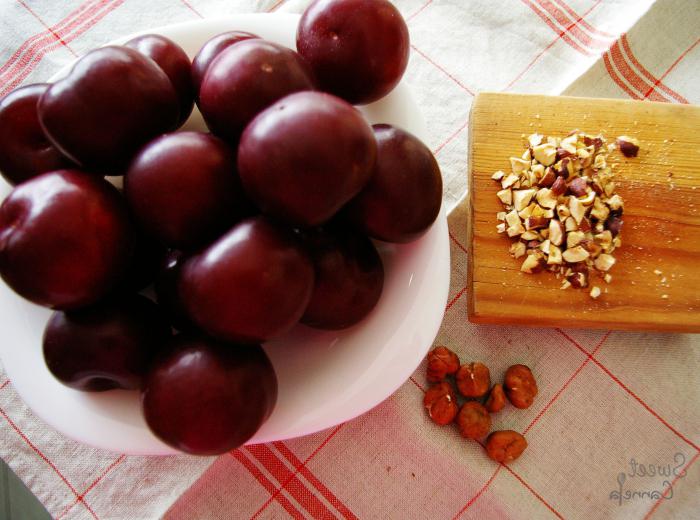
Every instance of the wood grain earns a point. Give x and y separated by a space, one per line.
661 232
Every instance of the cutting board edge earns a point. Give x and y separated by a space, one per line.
578 99
582 324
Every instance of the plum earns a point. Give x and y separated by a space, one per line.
65 239
305 156
105 346
249 286
358 49
211 49
244 79
206 397
25 151
404 194
110 104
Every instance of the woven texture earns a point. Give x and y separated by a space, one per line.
608 402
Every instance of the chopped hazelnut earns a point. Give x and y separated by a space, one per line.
518 165
555 255
575 254
506 196
595 292
532 264
509 181
545 153
604 262
498 175
559 186
517 249
546 198
629 146
556 234
577 209
535 139
521 198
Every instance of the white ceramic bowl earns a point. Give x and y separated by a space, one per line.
325 378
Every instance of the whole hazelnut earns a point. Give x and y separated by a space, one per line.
496 400
473 379
441 402
473 420
521 387
505 446
441 362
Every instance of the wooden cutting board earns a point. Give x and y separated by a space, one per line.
661 232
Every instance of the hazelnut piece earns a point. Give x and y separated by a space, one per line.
629 146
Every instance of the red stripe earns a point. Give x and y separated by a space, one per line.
673 65
592 42
264 482
534 493
478 494
564 36
585 24
30 41
566 385
277 5
418 385
42 22
189 6
295 487
673 483
555 40
313 454
81 497
44 458
85 27
457 243
655 83
419 11
616 78
308 475
12 67
443 70
629 74
450 138
629 391
7 382
456 297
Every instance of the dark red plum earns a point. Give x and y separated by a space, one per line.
305 156
358 49
211 49
249 286
172 60
207 397
65 239
244 79
349 277
183 188
109 345
25 151
112 102
403 197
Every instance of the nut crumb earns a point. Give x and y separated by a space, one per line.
664 296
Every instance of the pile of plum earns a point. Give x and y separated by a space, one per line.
243 232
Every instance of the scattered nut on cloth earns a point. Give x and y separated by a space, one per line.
614 431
